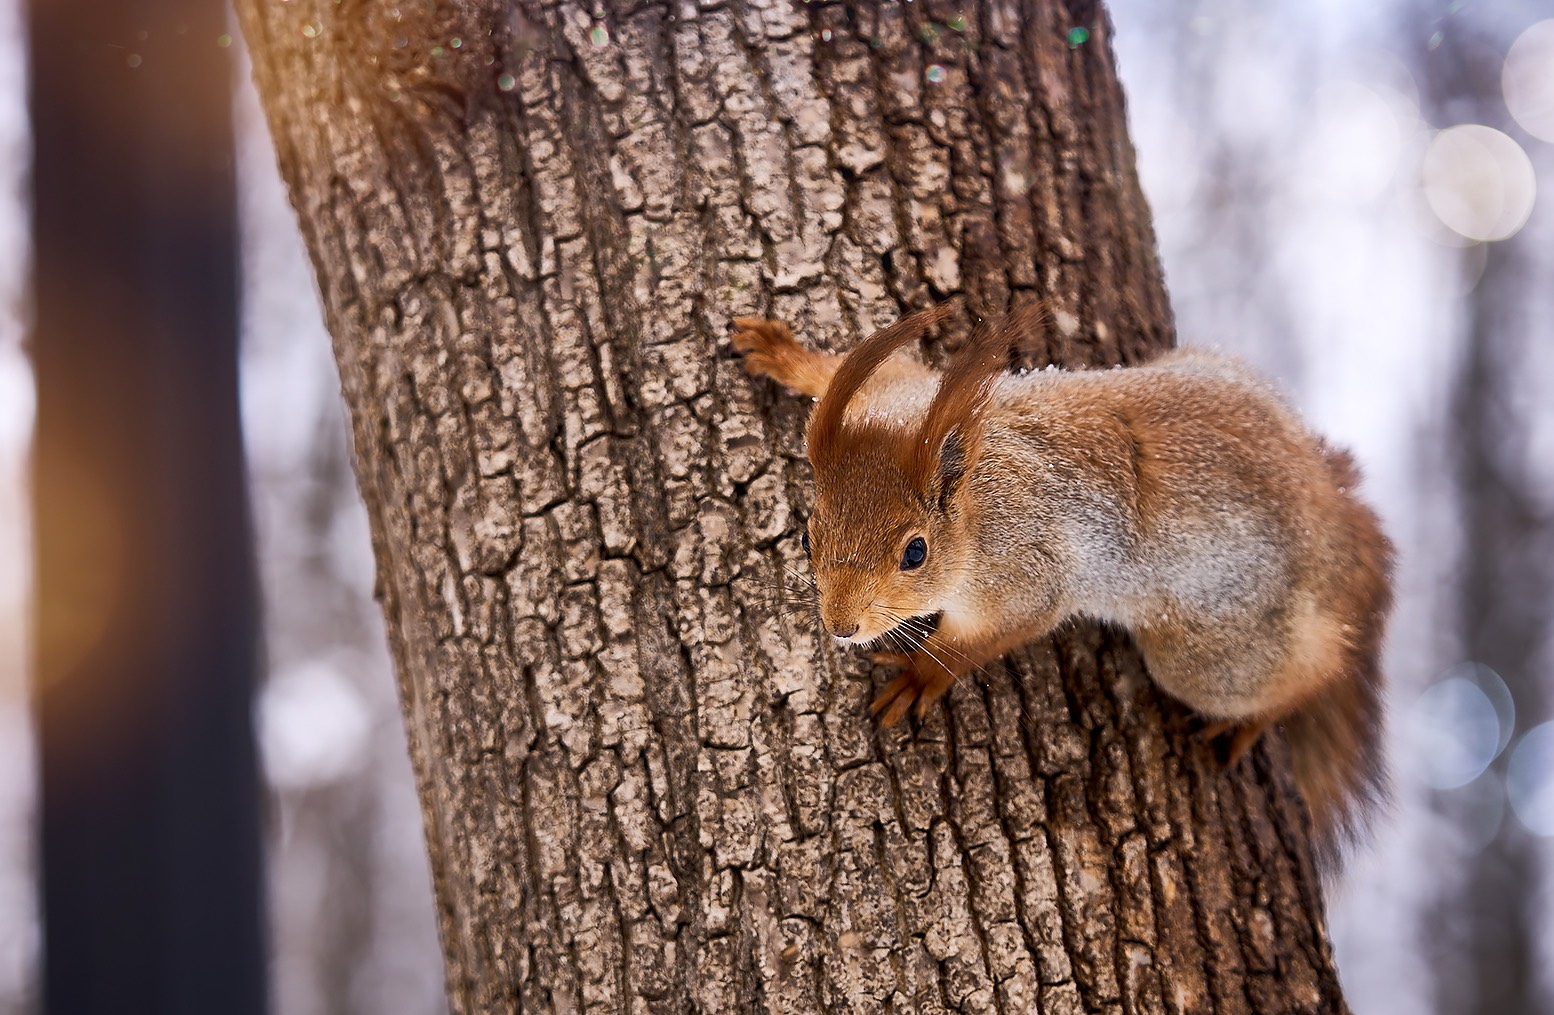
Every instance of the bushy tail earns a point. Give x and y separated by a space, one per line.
1335 742
1336 738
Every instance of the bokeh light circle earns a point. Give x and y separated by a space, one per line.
1453 733
1499 695
1479 182
1351 149
1530 779
313 726
1527 80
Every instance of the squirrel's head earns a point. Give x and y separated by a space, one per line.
888 538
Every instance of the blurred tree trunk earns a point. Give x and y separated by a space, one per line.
1493 904
646 788
145 617
1484 933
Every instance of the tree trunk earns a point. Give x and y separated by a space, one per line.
647 787
1486 962
144 613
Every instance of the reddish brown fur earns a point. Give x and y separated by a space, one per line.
825 425
1335 735
769 349
1181 499
963 393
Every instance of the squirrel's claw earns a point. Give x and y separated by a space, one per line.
909 687
759 334
1210 731
897 698
1242 737
768 349
761 343
898 695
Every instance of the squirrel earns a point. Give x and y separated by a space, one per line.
958 515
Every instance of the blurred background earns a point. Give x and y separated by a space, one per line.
1348 195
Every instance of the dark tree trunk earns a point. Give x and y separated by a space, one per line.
146 635
645 789
1495 915
1487 920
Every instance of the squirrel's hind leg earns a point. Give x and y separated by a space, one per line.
1243 734
770 350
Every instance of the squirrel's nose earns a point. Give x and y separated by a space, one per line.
845 630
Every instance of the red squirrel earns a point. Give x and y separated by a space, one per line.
960 514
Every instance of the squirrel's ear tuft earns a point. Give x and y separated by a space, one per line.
951 436
825 425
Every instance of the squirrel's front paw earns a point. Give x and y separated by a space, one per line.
897 697
766 345
911 685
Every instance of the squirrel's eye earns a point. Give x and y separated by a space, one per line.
914 554
804 541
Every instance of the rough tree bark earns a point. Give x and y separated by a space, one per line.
647 789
